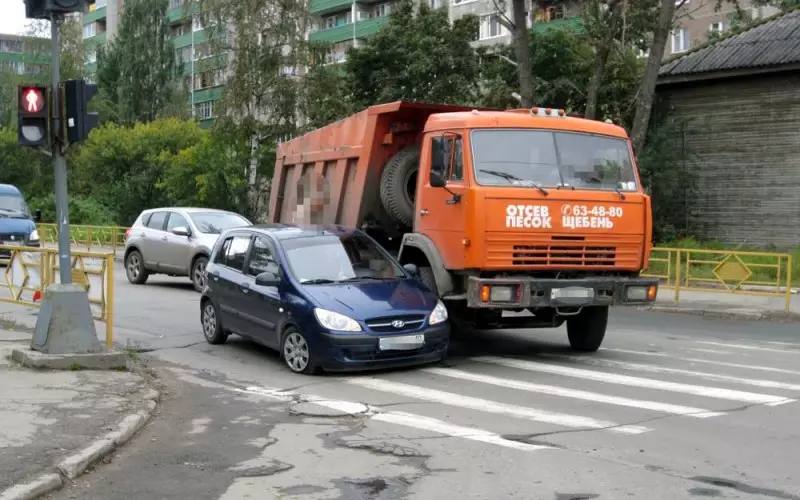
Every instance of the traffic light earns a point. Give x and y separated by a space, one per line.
33 116
80 122
43 9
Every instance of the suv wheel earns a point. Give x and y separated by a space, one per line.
134 268
199 273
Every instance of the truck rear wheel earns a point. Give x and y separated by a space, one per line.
587 329
399 185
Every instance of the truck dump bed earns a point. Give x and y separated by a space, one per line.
350 155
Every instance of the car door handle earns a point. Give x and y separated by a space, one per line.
244 287
163 238
143 235
423 212
214 275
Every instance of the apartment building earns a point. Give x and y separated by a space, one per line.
24 55
204 78
696 21
345 23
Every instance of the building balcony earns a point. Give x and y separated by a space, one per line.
95 15
573 23
176 14
98 39
322 7
187 40
209 94
363 29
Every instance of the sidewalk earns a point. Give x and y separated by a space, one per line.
55 424
727 305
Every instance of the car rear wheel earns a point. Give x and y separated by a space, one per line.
199 273
134 268
296 352
212 327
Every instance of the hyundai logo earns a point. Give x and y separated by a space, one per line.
398 323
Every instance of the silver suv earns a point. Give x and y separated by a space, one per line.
175 241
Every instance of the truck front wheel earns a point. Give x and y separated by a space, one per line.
587 329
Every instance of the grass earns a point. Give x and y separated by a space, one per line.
768 268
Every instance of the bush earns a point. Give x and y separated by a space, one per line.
82 210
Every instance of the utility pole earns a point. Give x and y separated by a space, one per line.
59 160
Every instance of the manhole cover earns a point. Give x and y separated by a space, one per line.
324 408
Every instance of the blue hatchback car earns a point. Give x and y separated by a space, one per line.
326 297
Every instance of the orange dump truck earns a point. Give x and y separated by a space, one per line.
516 219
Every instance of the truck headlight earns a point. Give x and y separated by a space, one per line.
335 321
34 236
439 314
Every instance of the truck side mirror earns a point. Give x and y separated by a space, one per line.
437 180
37 215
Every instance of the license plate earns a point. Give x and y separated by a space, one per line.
572 292
401 342
12 243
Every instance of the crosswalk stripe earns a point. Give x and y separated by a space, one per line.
448 429
664 369
709 361
613 378
748 347
485 405
572 393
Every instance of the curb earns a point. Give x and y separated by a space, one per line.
77 463
725 314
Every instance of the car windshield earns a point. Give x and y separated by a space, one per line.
331 259
544 158
216 222
13 203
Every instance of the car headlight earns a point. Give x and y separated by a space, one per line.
34 236
439 314
335 321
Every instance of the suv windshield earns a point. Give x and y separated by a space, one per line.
216 222
13 203
331 258
525 157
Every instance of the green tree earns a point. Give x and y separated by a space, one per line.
416 56
326 96
124 167
139 68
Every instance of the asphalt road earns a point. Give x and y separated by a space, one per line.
672 407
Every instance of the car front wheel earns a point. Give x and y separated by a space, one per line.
296 352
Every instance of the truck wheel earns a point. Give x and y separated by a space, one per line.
586 330
399 185
426 278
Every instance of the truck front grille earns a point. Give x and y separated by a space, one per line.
560 255
562 252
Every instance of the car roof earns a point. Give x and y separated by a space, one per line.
8 189
190 210
293 231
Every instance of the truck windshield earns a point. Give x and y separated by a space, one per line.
535 158
333 259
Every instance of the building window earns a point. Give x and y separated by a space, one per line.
715 27
175 4
491 27
89 30
196 24
680 40
91 56
201 51
10 46
339 20
435 4
204 110
99 4
382 10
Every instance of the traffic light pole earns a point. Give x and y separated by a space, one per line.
59 160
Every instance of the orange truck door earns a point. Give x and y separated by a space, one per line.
440 214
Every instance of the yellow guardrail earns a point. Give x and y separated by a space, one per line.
29 271
88 237
750 273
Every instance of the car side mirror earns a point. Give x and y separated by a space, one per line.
181 231
437 179
411 269
268 278
37 215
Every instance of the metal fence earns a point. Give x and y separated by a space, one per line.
750 273
109 238
29 271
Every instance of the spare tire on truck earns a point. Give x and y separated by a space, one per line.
399 185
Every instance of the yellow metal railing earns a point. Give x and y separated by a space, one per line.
750 273
29 271
88 237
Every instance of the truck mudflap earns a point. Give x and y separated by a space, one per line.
523 292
